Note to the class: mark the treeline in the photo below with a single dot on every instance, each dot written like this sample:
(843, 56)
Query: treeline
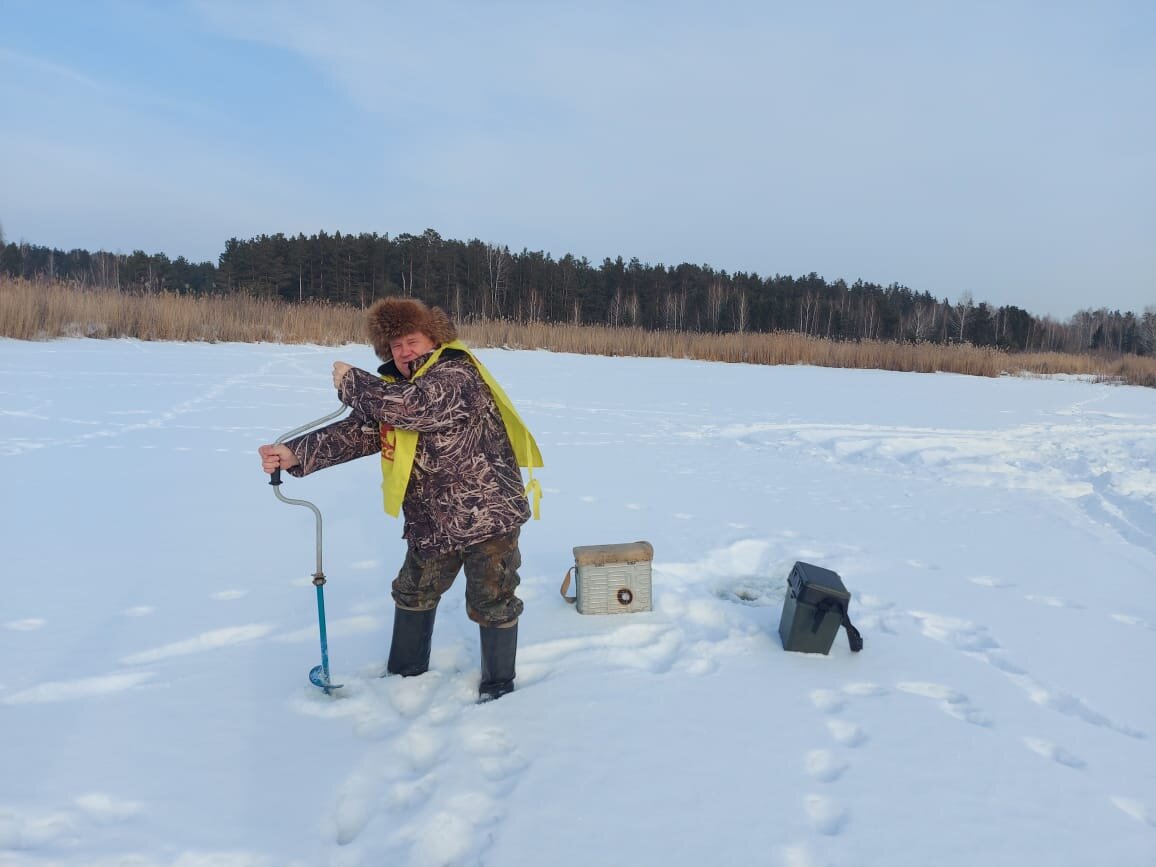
(135, 272)
(477, 281)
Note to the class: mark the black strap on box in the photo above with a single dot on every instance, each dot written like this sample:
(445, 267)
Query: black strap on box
(854, 639)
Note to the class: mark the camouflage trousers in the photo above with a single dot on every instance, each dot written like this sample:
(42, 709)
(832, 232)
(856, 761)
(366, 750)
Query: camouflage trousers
(491, 577)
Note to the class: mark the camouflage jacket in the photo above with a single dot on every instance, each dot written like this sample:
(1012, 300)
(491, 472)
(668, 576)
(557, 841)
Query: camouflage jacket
(466, 486)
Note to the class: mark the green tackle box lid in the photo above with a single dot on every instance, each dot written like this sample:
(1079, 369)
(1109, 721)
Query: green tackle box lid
(810, 584)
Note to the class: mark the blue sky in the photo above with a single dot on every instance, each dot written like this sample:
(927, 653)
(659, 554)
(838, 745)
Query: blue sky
(1003, 149)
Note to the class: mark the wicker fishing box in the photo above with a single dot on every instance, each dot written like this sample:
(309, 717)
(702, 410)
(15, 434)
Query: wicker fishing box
(611, 579)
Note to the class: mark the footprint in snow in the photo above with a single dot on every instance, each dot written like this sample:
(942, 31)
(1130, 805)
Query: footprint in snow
(28, 624)
(452, 835)
(800, 855)
(931, 690)
(1070, 705)
(920, 564)
(410, 696)
(498, 758)
(876, 615)
(52, 692)
(1053, 602)
(989, 581)
(419, 748)
(1136, 809)
(824, 814)
(961, 634)
(409, 794)
(877, 623)
(824, 765)
(1002, 663)
(867, 602)
(865, 689)
(848, 734)
(827, 700)
(647, 645)
(655, 650)
(833, 701)
(950, 701)
(86, 815)
(1054, 752)
(357, 797)
(1132, 620)
(202, 643)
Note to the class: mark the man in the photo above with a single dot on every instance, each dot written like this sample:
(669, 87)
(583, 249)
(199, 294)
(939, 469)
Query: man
(451, 445)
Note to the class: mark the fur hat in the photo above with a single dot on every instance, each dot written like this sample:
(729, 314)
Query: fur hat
(391, 318)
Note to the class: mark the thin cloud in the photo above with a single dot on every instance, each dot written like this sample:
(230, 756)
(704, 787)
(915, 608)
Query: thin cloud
(39, 66)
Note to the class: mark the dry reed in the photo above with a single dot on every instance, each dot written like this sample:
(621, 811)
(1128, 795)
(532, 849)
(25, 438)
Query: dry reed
(42, 310)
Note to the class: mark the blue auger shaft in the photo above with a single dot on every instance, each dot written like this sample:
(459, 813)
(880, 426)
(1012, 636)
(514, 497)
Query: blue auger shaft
(321, 629)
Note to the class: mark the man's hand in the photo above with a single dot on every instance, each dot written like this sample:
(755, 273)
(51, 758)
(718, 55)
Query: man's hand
(277, 457)
(340, 368)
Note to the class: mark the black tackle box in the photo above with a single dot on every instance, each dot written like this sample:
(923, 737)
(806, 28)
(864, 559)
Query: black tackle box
(814, 608)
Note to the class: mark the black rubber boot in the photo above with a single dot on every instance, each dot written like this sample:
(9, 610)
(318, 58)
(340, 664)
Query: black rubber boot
(412, 634)
(499, 647)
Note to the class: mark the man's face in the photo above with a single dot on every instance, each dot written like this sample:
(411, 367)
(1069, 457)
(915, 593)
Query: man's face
(408, 347)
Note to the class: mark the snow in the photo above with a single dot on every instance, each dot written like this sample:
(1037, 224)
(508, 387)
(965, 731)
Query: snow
(158, 623)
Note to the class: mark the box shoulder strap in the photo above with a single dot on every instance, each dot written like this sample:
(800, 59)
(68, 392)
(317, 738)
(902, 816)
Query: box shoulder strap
(566, 586)
(854, 639)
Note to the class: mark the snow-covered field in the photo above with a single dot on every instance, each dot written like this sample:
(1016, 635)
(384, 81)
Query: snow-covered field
(157, 624)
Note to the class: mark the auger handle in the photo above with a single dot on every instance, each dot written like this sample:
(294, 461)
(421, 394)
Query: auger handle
(275, 476)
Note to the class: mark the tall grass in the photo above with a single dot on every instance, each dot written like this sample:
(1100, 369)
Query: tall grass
(42, 310)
